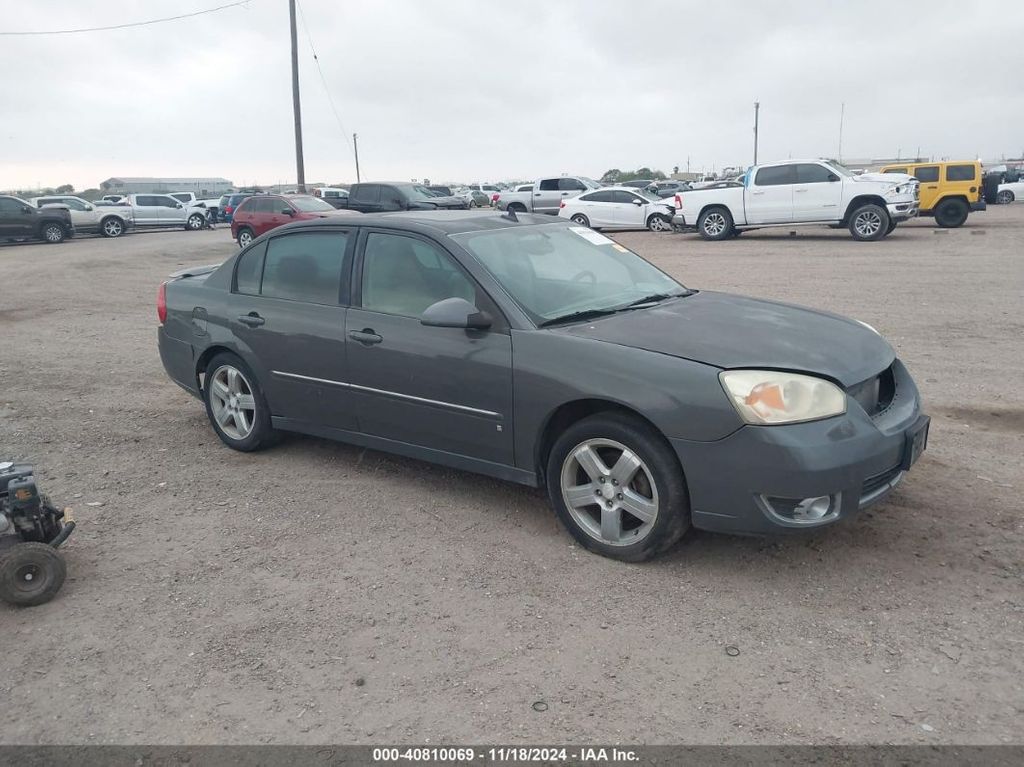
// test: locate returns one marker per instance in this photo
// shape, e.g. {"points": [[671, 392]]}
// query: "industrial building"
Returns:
{"points": [[204, 187]]}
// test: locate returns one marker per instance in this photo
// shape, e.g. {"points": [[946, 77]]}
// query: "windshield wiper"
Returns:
{"points": [[584, 314], [655, 298]]}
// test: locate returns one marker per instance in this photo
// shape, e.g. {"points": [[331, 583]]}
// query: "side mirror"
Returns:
{"points": [[833, 177], [637, 202], [179, 205], [90, 207], [456, 313], [287, 212], [26, 210]]}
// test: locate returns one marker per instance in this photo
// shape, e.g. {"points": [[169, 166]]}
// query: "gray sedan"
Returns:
{"points": [[544, 353]]}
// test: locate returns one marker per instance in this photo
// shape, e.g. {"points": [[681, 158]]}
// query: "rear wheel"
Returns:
{"points": [[616, 485], [580, 220], [30, 573], [235, 404], [869, 222], [715, 224], [659, 223], [951, 213], [53, 233], [245, 237], [111, 226], [1004, 197]]}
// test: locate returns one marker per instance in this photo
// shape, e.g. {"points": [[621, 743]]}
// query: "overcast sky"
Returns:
{"points": [[474, 90]]}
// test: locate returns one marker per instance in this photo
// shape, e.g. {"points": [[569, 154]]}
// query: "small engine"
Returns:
{"points": [[31, 570]]}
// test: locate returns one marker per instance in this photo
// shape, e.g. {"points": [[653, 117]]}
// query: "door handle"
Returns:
{"points": [[366, 336], [757, 192], [252, 319], [799, 190]]}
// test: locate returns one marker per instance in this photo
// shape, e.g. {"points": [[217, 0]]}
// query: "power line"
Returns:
{"points": [[323, 80], [126, 26]]}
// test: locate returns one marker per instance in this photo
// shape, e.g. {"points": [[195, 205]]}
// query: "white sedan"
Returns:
{"points": [[619, 207], [1011, 191]]}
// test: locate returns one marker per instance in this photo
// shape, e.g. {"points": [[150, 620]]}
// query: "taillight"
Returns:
{"points": [[561, 204], [228, 209], [679, 201], [161, 303]]}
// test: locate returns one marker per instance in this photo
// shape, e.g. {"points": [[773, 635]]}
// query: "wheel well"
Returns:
{"points": [[713, 206], [204, 360], [516, 206], [957, 197], [856, 202], [569, 413]]}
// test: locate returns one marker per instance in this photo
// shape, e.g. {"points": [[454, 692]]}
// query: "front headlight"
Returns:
{"points": [[769, 397]]}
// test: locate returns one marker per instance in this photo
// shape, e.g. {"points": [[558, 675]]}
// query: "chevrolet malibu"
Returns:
{"points": [[544, 353]]}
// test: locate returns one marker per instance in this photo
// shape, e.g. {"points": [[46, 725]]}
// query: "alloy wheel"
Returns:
{"points": [[867, 223], [232, 402], [112, 227], [244, 238], [714, 224], [609, 492], [53, 233]]}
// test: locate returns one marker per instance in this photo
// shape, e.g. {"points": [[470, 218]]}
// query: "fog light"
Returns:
{"points": [[795, 512]]}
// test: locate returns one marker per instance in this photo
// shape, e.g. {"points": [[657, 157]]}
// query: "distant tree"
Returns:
{"points": [[90, 194], [65, 189], [612, 175]]}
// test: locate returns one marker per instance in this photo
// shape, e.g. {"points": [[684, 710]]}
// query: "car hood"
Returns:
{"points": [[730, 331], [327, 214], [885, 178]]}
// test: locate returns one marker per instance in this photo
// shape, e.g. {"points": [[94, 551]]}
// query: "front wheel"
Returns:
{"points": [[617, 486], [659, 223], [869, 222], [112, 226], [235, 404], [195, 222], [951, 213], [891, 227], [30, 573], [1005, 197], [715, 224], [54, 233]]}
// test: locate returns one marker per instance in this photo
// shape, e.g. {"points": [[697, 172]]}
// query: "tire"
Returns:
{"points": [[869, 222], [659, 223], [890, 228], [245, 237], [241, 424], [580, 220], [715, 224], [53, 233], [30, 574], [656, 482], [951, 213], [1005, 197], [195, 222], [111, 226]]}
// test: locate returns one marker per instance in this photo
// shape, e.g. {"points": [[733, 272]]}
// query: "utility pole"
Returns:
{"points": [[300, 169], [355, 148], [842, 114], [757, 108]]}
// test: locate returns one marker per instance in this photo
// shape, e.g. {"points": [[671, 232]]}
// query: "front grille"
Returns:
{"points": [[872, 484], [875, 394]]}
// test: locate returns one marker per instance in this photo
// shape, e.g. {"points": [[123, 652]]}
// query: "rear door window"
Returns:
{"points": [[305, 266], [927, 173], [960, 173]]}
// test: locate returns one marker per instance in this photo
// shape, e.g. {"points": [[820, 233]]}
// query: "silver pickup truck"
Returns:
{"points": [[546, 195]]}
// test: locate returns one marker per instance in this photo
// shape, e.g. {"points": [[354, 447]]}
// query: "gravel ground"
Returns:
{"points": [[322, 593]]}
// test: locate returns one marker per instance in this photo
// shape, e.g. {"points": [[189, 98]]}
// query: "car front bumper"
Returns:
{"points": [[743, 483], [903, 211]]}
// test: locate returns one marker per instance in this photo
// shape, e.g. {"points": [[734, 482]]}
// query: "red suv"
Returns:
{"points": [[259, 214]]}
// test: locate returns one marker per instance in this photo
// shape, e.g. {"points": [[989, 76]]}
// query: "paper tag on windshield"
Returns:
{"points": [[591, 236]]}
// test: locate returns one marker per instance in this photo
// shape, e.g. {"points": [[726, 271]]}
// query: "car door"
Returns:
{"points": [[928, 176], [287, 307], [146, 210], [817, 193], [596, 206], [365, 198], [629, 210], [547, 197], [270, 213], [447, 389], [769, 199], [14, 221], [170, 211]]}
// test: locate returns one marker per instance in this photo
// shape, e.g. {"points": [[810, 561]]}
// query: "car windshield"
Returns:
{"points": [[557, 273], [309, 204], [842, 170], [417, 192]]}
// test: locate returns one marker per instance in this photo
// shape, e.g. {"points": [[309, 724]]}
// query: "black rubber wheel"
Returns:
{"points": [[245, 236], [53, 233], [659, 475], [30, 574], [659, 223], [580, 220], [892, 226], [869, 222], [240, 423], [111, 226], [951, 213], [1004, 197], [715, 224]]}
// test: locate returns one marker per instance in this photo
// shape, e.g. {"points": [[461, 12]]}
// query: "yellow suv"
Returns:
{"points": [[949, 190]]}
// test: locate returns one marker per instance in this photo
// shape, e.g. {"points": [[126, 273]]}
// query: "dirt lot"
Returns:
{"points": [[322, 593]]}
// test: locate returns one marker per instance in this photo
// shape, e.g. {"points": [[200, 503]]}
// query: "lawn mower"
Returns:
{"points": [[31, 531]]}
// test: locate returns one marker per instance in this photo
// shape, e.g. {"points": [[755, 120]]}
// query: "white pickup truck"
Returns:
{"points": [[546, 194], [801, 192]]}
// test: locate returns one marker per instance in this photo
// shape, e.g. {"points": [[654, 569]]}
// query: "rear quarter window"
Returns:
{"points": [[960, 173], [249, 269], [927, 174]]}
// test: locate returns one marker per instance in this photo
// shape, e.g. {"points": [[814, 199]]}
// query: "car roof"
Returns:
{"points": [[443, 222]]}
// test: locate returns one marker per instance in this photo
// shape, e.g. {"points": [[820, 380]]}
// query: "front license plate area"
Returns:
{"points": [[916, 442]]}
